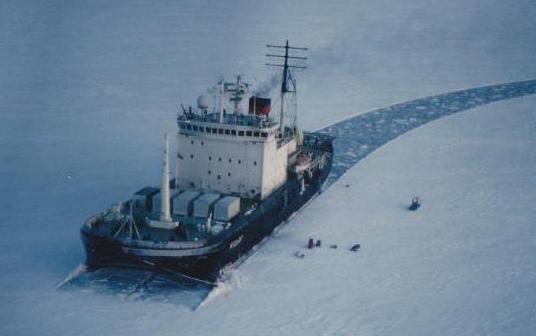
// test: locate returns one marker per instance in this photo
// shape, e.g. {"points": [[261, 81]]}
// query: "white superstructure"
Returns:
{"points": [[242, 155]]}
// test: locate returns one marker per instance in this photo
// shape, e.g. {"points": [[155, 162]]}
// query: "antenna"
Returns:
{"points": [[238, 89], [287, 78]]}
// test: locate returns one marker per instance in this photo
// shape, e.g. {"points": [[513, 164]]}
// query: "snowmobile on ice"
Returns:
{"points": [[415, 204]]}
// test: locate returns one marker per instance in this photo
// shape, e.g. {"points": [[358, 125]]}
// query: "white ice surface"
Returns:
{"points": [[462, 264], [87, 88]]}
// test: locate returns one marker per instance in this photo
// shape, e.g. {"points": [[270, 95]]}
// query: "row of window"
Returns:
{"points": [[219, 160], [219, 176], [213, 130], [251, 191]]}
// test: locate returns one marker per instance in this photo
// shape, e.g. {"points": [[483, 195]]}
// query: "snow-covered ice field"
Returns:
{"points": [[461, 265], [87, 89]]}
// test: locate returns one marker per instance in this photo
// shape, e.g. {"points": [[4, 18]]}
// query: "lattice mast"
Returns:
{"points": [[286, 80]]}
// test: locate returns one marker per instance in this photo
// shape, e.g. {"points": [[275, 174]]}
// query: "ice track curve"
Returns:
{"points": [[358, 136]]}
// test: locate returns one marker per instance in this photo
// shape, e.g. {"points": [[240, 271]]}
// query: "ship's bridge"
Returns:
{"points": [[231, 125]]}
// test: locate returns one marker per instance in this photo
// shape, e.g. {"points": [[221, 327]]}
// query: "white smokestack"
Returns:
{"points": [[164, 211]]}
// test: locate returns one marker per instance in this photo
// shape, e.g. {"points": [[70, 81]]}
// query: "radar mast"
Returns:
{"points": [[288, 83]]}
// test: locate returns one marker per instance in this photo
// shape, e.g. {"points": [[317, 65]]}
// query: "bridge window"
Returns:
{"points": [[220, 131], [256, 134], [208, 129], [195, 128], [240, 133], [264, 134], [227, 132], [233, 132], [189, 127], [201, 129], [249, 133]]}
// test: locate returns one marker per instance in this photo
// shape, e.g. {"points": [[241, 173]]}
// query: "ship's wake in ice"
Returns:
{"points": [[358, 136]]}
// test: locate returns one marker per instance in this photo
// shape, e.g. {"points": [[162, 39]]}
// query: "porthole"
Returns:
{"points": [[229, 174], [191, 156], [192, 142], [219, 177], [239, 161], [219, 159], [209, 172], [254, 163], [230, 160], [210, 158]]}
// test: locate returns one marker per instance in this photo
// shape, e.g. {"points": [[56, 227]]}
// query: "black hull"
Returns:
{"points": [[102, 252]]}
